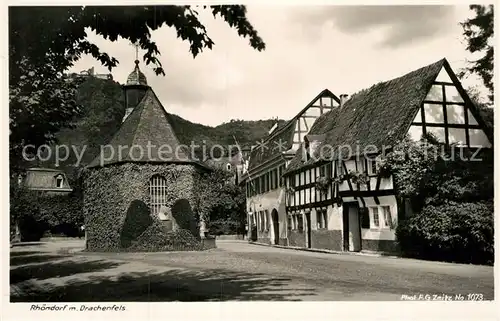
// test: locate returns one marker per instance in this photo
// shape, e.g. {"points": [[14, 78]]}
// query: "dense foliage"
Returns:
{"points": [[478, 32], [451, 193], [117, 204], [37, 213], [453, 231], [44, 42], [157, 238], [221, 203]]}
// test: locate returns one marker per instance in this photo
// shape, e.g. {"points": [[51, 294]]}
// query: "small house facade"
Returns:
{"points": [[265, 188], [337, 196], [47, 180]]}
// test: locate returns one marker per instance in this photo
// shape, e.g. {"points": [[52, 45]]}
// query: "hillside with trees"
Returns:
{"points": [[103, 108]]}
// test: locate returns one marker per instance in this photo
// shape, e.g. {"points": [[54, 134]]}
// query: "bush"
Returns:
{"points": [[137, 220], [36, 213], [156, 238], [456, 232]]}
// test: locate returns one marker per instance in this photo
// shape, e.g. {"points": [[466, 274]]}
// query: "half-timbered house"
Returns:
{"points": [[267, 163], [336, 198]]}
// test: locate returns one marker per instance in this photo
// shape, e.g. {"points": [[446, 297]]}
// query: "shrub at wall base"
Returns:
{"points": [[457, 232], [117, 208]]}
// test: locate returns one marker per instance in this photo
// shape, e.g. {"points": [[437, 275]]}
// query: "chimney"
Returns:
{"points": [[343, 99]]}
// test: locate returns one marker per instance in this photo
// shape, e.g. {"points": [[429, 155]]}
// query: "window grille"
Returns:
{"points": [[157, 193]]}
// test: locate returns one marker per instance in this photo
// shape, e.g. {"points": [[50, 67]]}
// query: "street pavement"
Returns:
{"points": [[236, 270]]}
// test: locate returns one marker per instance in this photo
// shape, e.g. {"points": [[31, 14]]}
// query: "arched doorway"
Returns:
{"points": [[276, 226]]}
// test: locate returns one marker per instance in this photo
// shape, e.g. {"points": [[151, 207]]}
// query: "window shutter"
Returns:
{"points": [[365, 217]]}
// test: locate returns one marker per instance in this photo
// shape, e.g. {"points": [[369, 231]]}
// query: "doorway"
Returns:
{"points": [[276, 226], [308, 229], [351, 227]]}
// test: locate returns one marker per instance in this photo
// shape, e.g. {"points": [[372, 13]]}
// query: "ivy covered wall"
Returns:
{"points": [[116, 204]]}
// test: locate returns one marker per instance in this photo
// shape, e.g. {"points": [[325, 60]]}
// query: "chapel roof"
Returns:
{"points": [[136, 77], [148, 124]]}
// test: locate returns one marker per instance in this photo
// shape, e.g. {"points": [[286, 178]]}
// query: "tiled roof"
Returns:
{"points": [[281, 139], [150, 124], [271, 147], [44, 178], [376, 116]]}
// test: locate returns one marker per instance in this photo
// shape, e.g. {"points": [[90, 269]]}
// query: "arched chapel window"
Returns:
{"points": [[157, 193]]}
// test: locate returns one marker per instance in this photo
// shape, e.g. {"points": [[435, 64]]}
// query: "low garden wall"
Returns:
{"points": [[232, 237]]}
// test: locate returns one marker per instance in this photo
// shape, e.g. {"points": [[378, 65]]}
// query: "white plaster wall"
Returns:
{"points": [[385, 233], [274, 199], [334, 217]]}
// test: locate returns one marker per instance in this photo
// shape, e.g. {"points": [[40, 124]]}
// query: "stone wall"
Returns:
{"points": [[296, 238], [326, 239], [386, 246]]}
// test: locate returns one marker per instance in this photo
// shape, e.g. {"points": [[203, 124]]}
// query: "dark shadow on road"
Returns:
{"points": [[57, 269], [23, 253], [41, 258], [173, 285]]}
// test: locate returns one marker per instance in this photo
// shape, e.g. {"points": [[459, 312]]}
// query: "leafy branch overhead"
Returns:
{"points": [[45, 42], [67, 35]]}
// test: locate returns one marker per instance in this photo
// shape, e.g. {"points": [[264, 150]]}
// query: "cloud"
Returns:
{"points": [[401, 25]]}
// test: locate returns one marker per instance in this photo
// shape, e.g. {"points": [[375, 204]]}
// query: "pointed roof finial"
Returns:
{"points": [[136, 77], [136, 45]]}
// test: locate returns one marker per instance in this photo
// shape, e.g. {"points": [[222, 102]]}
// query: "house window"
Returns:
{"points": [[381, 217], [300, 223], [289, 222], [372, 166], [321, 218], [281, 175], [386, 210], [228, 167], [265, 221], [157, 193], [340, 168], [375, 218], [322, 171], [59, 181]]}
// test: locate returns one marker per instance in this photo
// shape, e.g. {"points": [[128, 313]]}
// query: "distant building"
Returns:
{"points": [[237, 163], [91, 73], [51, 181]]}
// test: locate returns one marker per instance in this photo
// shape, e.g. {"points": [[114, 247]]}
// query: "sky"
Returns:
{"points": [[308, 48]]}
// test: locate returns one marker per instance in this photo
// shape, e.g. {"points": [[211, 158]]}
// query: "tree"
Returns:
{"points": [[478, 33], [44, 42], [451, 194], [220, 203]]}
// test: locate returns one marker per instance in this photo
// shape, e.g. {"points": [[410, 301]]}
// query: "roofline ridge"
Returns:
{"points": [[168, 121], [141, 102], [294, 118]]}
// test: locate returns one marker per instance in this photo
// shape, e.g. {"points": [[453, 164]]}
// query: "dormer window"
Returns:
{"points": [[312, 142], [59, 181]]}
